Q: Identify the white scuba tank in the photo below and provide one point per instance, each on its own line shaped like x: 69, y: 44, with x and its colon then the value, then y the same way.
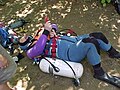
x: 64, y: 69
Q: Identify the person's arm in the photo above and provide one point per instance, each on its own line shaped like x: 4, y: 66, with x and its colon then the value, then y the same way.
x: 38, y: 48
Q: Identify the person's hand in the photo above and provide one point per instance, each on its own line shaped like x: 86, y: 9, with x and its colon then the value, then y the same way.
x: 52, y: 33
x: 24, y: 38
x: 3, y: 62
x: 48, y: 26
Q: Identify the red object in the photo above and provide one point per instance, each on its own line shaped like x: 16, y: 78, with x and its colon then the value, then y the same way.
x: 46, y: 19
x: 2, y: 24
x: 54, y: 46
x: 70, y: 31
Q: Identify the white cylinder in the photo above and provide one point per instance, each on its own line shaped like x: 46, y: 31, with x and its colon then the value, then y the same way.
x: 65, y: 69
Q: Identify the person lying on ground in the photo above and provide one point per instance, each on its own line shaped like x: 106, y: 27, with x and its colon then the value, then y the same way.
x: 75, y: 49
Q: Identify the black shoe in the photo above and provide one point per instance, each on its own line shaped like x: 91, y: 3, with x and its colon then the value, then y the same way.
x: 113, y: 53
x: 109, y: 79
x: 115, y: 56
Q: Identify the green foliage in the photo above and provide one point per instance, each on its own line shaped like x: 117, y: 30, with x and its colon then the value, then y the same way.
x: 105, y: 2
x: 3, y: 2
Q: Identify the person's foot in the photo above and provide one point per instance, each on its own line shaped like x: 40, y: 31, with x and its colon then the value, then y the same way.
x: 109, y: 79
x: 114, y: 55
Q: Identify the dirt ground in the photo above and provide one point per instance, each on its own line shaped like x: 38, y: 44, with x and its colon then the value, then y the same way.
x: 83, y: 16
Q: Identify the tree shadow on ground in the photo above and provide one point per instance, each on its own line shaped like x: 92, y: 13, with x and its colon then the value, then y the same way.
x: 80, y: 15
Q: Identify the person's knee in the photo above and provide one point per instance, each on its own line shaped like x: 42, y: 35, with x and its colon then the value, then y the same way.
x: 99, y: 35
x: 93, y: 41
